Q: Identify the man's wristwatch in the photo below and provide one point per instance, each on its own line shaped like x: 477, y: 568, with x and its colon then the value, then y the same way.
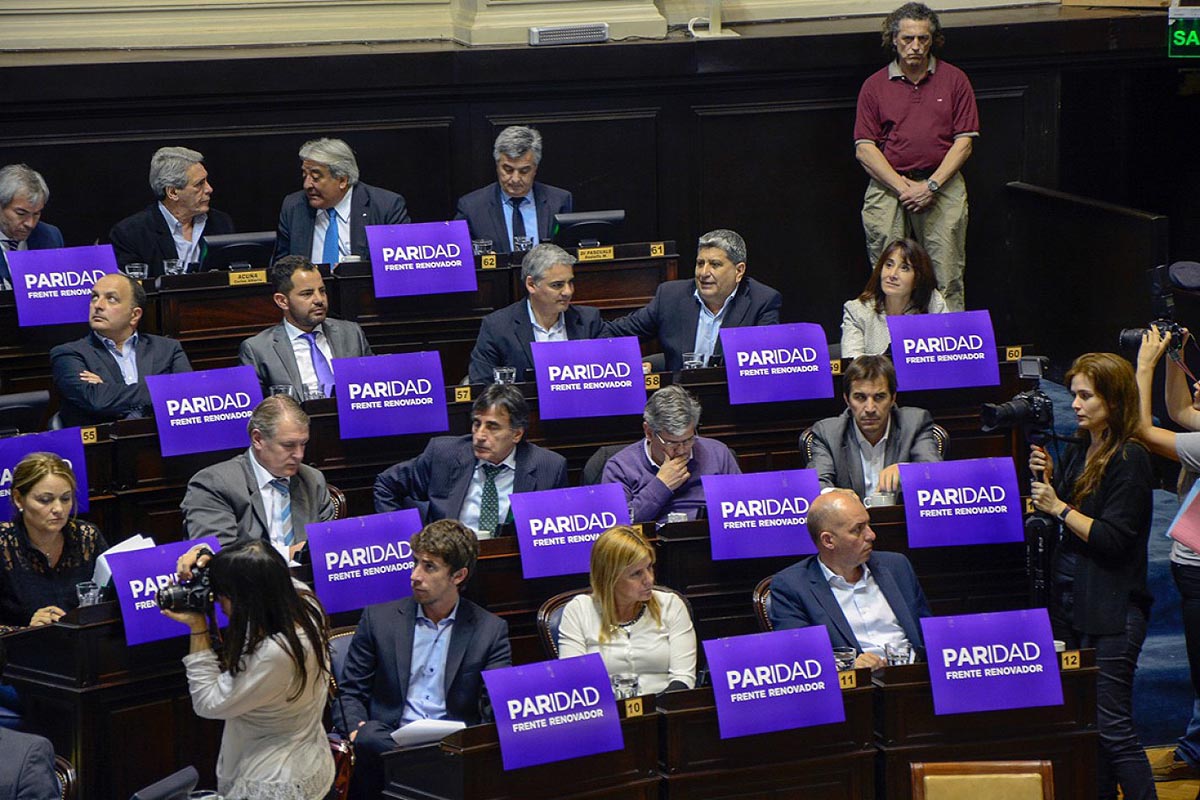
x: 933, y: 185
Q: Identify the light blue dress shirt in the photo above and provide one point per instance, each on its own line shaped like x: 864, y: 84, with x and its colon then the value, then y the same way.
x: 505, y: 480
x: 427, y: 675
x: 321, y: 224
x: 708, y: 327
x: 187, y: 251
x: 126, y: 357
x: 528, y: 213
x: 557, y: 332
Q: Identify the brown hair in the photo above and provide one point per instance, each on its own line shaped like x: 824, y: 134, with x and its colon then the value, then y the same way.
x: 924, y: 279
x: 36, y: 466
x: 1113, y: 381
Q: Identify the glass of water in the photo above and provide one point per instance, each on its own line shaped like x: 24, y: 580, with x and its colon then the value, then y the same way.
x: 625, y: 685
x: 898, y: 653
x: 844, y: 657
x: 504, y: 374
x: 693, y: 360
x: 88, y: 593
x: 173, y: 266
x: 138, y: 271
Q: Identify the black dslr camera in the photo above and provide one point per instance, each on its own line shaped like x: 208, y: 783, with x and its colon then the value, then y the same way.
x: 192, y: 595
x: 1029, y: 409
x: 1130, y: 339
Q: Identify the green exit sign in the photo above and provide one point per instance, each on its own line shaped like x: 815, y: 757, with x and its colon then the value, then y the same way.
x: 1183, y: 34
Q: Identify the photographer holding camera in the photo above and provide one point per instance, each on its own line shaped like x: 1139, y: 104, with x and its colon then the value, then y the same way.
x: 269, y: 678
x: 1184, y: 409
x: 1098, y: 597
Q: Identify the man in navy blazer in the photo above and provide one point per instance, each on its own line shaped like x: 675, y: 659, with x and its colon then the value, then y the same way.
x: 546, y: 315
x: 379, y: 692
x: 102, y: 377
x: 332, y: 198
x: 686, y: 316
x: 174, y: 226
x: 515, y: 204
x: 845, y: 573
x: 26, y: 767
x: 450, y: 479
x: 23, y: 195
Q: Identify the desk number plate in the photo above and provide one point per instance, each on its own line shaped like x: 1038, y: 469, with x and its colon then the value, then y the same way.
x: 633, y: 707
x: 462, y: 394
x: 1069, y: 660
x: 848, y: 679
x: 88, y: 435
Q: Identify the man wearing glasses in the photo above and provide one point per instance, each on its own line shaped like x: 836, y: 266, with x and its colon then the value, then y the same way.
x: 661, y: 473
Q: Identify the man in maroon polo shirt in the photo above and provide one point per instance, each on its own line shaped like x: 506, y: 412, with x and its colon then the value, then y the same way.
x: 915, y: 128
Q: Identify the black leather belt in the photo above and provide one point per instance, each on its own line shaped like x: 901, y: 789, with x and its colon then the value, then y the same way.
x: 918, y: 174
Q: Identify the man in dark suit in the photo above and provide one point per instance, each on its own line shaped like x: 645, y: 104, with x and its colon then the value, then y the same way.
x: 687, y: 316
x: 266, y: 492
x: 299, y: 351
x: 333, y: 200
x: 102, y: 377
x: 453, y: 640
x: 880, y: 590
x: 470, y: 478
x: 515, y: 205
x: 173, y: 227
x: 546, y: 316
x: 23, y: 195
x: 862, y: 448
x: 26, y: 767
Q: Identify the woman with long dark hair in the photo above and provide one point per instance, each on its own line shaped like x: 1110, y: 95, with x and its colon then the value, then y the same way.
x: 902, y: 282
x: 268, y: 679
x: 1102, y: 494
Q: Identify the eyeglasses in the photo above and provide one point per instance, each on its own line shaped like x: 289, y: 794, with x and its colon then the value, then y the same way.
x: 676, y: 445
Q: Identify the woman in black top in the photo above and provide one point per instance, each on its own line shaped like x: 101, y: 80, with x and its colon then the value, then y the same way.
x: 44, y: 550
x: 1103, y: 495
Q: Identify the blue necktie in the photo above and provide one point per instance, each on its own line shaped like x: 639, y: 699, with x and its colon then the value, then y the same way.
x: 320, y: 365
x: 518, y: 220
x: 284, y: 514
x: 331, y: 255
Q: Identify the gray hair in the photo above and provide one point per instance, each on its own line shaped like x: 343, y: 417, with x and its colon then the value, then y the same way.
x: 273, y: 410
x: 517, y: 140
x: 727, y: 240
x: 169, y: 166
x: 672, y: 409
x: 539, y: 260
x: 918, y: 12
x: 18, y: 179
x: 335, y: 154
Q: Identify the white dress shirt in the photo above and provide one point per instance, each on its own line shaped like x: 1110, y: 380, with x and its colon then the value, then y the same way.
x: 556, y: 333
x: 872, y: 456
x: 866, y: 609
x: 272, y: 500
x: 321, y: 224
x: 188, y: 250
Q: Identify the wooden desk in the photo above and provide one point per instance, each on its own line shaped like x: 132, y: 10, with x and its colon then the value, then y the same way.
x: 467, y: 766
x: 822, y: 762
x: 122, y: 715
x: 907, y: 730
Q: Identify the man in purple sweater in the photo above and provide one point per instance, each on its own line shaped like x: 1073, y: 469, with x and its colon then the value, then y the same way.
x: 661, y: 473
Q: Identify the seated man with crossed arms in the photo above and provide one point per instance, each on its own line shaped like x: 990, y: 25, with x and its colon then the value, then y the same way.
x: 299, y: 351
x: 861, y: 448
x: 867, y: 600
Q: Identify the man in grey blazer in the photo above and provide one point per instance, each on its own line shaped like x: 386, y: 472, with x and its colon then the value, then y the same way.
x: 265, y: 492
x: 299, y: 351
x: 333, y: 200
x: 380, y: 690
x: 471, y: 478
x: 102, y: 377
x: 861, y: 448
x: 686, y: 316
x: 546, y: 315
x: 515, y: 205
x: 26, y: 767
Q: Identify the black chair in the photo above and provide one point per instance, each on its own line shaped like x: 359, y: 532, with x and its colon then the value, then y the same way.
x: 254, y: 249
x: 762, y: 604
x: 23, y: 412
x: 68, y: 779
x: 339, y: 646
x: 593, y: 470
x: 175, y: 786
x: 549, y: 616
x: 340, y: 508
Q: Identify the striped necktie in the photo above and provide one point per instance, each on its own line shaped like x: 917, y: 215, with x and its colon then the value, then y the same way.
x: 283, y: 512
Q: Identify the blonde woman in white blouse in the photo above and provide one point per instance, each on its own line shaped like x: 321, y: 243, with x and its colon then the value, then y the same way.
x: 634, y: 627
x: 902, y: 282
x: 269, y: 679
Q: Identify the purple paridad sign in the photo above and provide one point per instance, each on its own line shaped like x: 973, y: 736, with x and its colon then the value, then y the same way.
x: 360, y: 561
x: 761, y: 514
x: 137, y: 576
x: 55, y: 286
x: 198, y: 412
x: 973, y: 501
x: 422, y: 258
x: 991, y: 662
x: 772, y: 363
x: 556, y: 528
x: 554, y: 710
x: 66, y: 443
x: 589, y: 378
x: 774, y: 681
x: 944, y: 351
x: 391, y: 395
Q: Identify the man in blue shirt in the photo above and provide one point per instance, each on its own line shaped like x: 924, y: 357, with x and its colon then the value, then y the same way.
x: 420, y: 657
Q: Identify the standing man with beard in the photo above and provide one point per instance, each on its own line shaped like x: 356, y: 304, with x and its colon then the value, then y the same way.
x: 299, y: 351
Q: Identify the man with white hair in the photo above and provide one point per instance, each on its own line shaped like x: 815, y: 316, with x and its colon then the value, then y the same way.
x: 174, y: 226
x: 23, y: 195
x: 326, y: 220
x: 515, y: 205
